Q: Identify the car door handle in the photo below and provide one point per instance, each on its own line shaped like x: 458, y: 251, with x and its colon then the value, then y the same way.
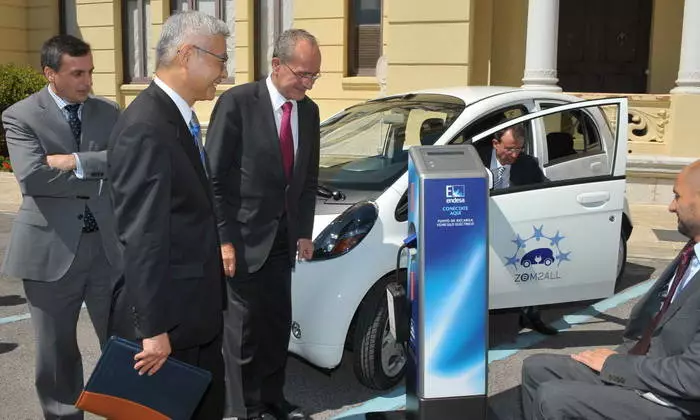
x: 592, y: 199
x: 596, y: 166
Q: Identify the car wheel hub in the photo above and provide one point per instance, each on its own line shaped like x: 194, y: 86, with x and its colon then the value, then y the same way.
x: 393, y: 354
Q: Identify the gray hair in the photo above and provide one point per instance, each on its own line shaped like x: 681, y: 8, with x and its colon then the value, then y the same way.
x: 181, y: 28
x: 287, y: 41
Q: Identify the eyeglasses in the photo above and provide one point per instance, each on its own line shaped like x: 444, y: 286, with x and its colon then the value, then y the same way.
x: 513, y: 150
x: 223, y: 58
x: 312, y: 77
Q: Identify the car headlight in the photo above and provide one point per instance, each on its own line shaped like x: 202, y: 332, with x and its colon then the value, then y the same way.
x: 346, y: 231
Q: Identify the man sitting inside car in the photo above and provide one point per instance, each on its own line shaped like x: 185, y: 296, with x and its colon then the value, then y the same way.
x: 504, y: 157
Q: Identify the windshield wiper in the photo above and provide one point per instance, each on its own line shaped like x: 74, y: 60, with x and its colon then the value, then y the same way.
x: 325, y: 192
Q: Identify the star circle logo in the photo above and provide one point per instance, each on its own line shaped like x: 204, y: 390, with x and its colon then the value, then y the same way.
x: 537, y: 249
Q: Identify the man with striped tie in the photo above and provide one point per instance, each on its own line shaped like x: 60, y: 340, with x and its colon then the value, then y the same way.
x: 504, y: 157
x: 654, y: 373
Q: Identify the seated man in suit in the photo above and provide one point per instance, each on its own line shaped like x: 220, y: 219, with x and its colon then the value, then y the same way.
x: 510, y: 167
x: 654, y: 373
x: 504, y: 157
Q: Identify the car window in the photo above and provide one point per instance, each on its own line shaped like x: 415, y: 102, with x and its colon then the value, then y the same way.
x: 366, y: 146
x: 570, y: 135
x: 589, y: 138
x: 490, y: 120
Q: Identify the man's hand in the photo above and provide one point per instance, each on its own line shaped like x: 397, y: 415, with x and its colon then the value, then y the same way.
x: 305, y: 249
x: 228, y: 256
x: 155, y: 352
x: 594, y: 359
x: 61, y: 162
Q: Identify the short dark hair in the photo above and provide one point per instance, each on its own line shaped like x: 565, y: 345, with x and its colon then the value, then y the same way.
x: 54, y: 48
x: 517, y: 130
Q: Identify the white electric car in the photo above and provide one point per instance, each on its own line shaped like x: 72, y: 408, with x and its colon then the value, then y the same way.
x: 562, y: 240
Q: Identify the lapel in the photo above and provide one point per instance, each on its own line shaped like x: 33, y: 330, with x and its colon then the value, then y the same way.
x: 87, y: 123
x: 690, y: 289
x: 268, y: 130
x: 54, y: 118
x: 184, y: 136
x: 300, y: 161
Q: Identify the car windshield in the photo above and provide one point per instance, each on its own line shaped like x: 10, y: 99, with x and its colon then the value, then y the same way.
x: 365, y: 147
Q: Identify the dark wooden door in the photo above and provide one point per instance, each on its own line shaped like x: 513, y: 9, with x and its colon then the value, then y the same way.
x: 604, y: 45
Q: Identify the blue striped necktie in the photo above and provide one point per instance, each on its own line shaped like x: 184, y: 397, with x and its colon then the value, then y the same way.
x: 196, y: 131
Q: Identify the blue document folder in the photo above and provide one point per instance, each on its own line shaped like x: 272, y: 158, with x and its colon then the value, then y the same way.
x: 116, y: 391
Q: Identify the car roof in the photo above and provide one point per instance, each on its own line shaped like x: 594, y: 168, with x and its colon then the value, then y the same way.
x: 472, y: 94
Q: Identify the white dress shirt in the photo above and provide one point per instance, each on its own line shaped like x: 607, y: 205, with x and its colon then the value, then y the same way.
x: 277, y: 101
x: 61, y: 103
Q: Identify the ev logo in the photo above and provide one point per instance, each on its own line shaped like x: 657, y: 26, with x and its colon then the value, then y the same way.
x: 455, y: 193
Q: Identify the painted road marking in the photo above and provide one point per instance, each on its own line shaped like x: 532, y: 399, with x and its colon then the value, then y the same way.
x: 396, y: 399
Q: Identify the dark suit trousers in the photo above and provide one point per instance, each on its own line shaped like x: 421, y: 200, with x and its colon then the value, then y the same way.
x: 55, y: 308
x: 257, y: 323
x: 208, y: 357
x: 558, y: 387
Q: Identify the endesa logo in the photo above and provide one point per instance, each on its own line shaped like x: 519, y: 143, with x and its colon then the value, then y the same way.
x: 455, y: 193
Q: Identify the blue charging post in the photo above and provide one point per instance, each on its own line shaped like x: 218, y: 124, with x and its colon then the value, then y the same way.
x: 447, y: 289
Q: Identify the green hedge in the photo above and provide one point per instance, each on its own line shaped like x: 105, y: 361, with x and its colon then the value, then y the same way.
x: 16, y: 83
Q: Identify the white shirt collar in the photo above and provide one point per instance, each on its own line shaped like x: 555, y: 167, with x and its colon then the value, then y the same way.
x: 59, y: 101
x: 276, y: 97
x: 181, y: 104
x: 495, y: 164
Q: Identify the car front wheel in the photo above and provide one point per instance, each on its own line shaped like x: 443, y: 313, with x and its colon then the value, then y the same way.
x: 379, y: 361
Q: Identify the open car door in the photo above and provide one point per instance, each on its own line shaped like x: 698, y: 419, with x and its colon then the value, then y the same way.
x: 557, y: 240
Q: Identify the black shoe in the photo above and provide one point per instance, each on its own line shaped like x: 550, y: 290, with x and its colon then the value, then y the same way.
x: 287, y: 411
x: 533, y: 321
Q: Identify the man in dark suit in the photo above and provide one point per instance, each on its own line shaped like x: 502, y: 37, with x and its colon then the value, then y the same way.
x: 504, y: 157
x: 654, y: 373
x: 263, y: 143
x: 63, y: 244
x: 172, y: 294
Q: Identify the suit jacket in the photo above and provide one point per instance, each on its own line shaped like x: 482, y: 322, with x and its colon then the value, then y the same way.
x: 671, y: 367
x: 48, y: 226
x: 250, y: 187
x: 524, y: 171
x: 165, y: 221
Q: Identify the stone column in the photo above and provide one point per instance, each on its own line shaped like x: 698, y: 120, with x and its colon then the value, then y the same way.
x: 689, y: 69
x: 541, y: 49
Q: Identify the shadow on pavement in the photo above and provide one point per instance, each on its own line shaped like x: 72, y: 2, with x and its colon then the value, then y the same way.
x: 7, y: 347
x: 12, y: 300
x: 634, y: 274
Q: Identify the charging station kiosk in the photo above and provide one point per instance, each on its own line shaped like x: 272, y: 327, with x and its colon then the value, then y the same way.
x: 447, y: 290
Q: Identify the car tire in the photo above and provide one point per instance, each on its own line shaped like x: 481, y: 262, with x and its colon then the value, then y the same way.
x: 621, y: 259
x: 378, y: 362
x: 525, y: 263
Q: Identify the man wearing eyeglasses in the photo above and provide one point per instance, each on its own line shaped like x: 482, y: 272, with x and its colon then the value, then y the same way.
x: 263, y: 145
x: 504, y: 157
x: 171, y: 298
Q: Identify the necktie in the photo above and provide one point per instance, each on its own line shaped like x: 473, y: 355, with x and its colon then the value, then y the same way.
x: 74, y: 121
x: 89, y: 222
x: 286, y: 140
x: 642, y: 346
x: 498, y: 175
x: 196, y: 131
